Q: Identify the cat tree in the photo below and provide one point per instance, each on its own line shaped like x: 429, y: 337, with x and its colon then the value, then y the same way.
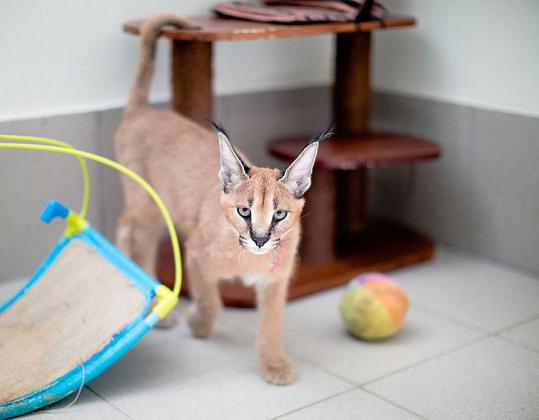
x: 333, y: 248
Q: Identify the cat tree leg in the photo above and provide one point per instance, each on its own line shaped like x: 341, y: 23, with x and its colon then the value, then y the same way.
x: 191, y: 78
x: 341, y: 192
x: 351, y: 90
x: 318, y: 219
x: 337, y: 202
x: 351, y: 111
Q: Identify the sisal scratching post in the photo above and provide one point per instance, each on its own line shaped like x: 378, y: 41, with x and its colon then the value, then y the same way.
x: 192, y: 79
x: 351, y: 91
x: 351, y: 110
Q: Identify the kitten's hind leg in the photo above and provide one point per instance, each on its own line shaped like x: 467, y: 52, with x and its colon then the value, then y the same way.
x: 137, y: 234
x: 206, y: 304
x: 139, y: 239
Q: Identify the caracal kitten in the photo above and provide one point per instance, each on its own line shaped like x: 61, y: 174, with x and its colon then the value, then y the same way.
x: 235, y: 219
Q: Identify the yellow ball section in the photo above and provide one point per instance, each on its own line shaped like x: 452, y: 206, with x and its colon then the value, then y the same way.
x: 373, y: 310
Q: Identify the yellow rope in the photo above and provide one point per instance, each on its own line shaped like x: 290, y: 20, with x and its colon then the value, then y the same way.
x: 66, y: 149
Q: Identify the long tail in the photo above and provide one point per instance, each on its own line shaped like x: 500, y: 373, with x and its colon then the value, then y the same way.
x: 151, y: 28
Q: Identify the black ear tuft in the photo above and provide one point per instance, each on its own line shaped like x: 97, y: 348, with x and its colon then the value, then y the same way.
x: 322, y: 134
x: 219, y: 127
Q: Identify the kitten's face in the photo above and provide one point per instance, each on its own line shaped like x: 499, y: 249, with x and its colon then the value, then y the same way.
x: 262, y: 209
x: 260, y: 204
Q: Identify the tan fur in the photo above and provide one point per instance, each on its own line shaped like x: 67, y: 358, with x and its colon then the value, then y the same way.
x: 181, y: 160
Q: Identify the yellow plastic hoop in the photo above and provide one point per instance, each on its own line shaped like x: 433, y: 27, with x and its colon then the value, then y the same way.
x: 56, y: 146
x: 53, y: 142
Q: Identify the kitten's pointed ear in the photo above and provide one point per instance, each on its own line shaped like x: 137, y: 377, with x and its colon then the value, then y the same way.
x: 298, y: 175
x: 232, y: 171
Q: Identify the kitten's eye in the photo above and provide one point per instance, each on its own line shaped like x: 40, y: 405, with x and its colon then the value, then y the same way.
x: 279, y: 215
x: 244, y: 212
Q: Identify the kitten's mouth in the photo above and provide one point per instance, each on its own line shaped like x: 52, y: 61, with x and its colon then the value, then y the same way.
x: 271, y: 245
x: 258, y: 251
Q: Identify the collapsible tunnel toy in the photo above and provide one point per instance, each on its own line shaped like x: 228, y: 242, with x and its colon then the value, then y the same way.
x: 83, y: 309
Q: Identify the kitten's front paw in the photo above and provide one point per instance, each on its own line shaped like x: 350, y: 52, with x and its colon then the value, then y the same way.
x: 277, y: 372
x: 201, y: 326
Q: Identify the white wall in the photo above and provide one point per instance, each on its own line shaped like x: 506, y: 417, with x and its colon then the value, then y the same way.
x: 483, y: 53
x: 65, y: 56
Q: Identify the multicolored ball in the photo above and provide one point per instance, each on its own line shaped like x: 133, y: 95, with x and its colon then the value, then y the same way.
x: 373, y: 306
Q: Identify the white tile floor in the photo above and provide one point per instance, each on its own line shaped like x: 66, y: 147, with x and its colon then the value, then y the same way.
x: 469, y: 349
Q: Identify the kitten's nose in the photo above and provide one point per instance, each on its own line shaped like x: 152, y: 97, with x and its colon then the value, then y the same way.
x: 260, y: 240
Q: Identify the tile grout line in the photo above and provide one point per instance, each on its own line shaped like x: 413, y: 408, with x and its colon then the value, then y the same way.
x: 448, y: 317
x: 356, y: 387
x: 499, y: 334
x: 488, y: 334
x: 329, y: 397
x: 517, y: 324
x: 108, y: 402
x: 428, y: 359
x: 516, y: 344
x: 323, y: 369
x: 391, y: 402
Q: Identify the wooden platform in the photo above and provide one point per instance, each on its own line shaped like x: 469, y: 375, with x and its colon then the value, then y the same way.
x: 218, y: 29
x: 367, y: 150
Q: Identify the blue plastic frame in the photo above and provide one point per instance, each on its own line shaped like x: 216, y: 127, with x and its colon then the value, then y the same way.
x: 120, y: 343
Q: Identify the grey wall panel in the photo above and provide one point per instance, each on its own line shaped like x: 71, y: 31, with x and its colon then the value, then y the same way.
x: 482, y: 195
